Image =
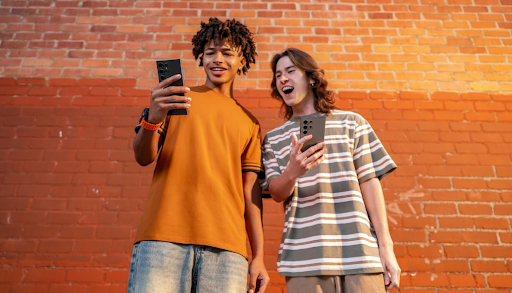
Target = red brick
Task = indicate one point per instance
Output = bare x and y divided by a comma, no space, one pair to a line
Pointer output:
85,276
499,281
45,275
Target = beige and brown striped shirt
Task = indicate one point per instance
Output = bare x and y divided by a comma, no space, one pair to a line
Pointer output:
327,229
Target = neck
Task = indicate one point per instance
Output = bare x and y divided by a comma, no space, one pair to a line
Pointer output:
224,88
306,107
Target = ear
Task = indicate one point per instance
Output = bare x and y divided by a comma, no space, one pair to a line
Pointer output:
311,81
242,63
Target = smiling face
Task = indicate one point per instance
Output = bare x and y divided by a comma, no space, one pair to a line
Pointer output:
221,62
293,84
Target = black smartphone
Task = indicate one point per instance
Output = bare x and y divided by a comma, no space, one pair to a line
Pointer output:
314,126
166,69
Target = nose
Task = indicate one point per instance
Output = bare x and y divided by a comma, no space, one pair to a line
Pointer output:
219,58
283,79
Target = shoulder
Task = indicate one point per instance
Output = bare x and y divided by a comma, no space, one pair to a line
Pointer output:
339,115
285,127
281,132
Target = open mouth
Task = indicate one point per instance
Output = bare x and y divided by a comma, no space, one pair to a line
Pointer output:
287,90
217,71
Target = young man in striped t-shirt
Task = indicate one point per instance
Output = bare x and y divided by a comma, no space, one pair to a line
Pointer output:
336,235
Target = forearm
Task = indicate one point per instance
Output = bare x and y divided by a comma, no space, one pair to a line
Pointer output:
281,188
373,198
253,212
145,146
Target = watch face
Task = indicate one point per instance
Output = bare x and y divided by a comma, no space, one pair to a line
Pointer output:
144,114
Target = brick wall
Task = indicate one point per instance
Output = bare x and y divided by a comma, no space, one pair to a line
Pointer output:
432,76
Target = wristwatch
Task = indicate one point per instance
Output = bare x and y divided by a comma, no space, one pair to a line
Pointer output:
144,121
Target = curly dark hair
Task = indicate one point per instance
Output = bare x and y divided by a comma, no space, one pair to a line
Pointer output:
324,99
235,32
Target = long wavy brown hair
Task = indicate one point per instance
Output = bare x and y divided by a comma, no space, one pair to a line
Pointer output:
324,98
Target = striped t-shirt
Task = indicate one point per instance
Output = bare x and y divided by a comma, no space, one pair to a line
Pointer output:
327,230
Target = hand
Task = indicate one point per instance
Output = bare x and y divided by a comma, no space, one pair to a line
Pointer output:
163,99
301,162
391,269
259,278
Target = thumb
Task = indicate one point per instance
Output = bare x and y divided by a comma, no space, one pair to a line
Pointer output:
252,283
386,276
294,139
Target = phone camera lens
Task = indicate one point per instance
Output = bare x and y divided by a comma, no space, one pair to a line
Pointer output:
305,122
305,132
305,127
311,121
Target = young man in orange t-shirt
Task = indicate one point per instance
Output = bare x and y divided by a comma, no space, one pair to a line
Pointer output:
204,198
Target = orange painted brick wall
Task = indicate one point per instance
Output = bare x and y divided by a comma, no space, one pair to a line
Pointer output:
434,77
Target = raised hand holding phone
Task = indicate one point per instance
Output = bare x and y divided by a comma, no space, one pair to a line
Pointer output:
166,98
169,68
301,162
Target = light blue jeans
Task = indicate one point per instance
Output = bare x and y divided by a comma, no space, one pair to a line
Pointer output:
159,267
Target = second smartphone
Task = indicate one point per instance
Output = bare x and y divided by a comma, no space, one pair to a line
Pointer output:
314,126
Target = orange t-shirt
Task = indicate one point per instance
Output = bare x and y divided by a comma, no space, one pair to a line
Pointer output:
196,196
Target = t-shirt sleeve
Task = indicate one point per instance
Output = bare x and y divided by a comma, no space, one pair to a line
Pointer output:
370,158
251,158
270,164
162,130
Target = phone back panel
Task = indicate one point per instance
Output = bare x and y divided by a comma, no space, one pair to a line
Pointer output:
314,126
166,69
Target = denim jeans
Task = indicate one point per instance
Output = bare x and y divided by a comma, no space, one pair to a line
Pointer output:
159,266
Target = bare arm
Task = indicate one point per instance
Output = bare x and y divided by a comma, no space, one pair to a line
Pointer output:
259,278
147,142
374,201
300,163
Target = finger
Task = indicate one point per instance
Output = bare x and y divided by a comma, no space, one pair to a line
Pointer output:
173,99
316,157
312,150
263,285
387,280
315,148
172,106
315,163
395,280
294,139
168,81
303,140
174,90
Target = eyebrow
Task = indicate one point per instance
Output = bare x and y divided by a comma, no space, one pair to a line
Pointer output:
222,49
286,68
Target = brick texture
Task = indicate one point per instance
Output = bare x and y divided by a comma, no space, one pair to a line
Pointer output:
433,77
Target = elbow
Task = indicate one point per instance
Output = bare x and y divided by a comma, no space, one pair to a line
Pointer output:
277,199
143,161
276,196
